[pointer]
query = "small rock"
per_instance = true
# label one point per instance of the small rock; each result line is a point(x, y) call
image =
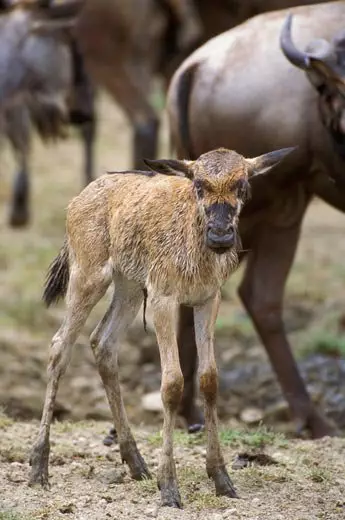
point(152, 402)
point(251, 415)
point(76, 465)
point(152, 512)
point(115, 476)
point(16, 464)
point(230, 513)
point(67, 508)
point(15, 477)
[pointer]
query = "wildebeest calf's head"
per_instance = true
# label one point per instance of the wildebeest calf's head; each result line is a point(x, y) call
point(220, 180)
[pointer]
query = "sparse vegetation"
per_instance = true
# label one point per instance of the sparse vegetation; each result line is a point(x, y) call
point(258, 438)
point(319, 475)
point(5, 421)
point(11, 515)
point(324, 342)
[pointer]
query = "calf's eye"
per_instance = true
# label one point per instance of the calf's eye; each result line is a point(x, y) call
point(199, 189)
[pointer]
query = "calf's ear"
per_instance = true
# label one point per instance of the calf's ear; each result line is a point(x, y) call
point(264, 163)
point(171, 167)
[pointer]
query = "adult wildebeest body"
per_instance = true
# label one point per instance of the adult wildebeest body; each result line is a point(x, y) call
point(126, 44)
point(240, 91)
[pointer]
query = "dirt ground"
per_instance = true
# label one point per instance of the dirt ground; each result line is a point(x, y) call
point(305, 480)
point(308, 481)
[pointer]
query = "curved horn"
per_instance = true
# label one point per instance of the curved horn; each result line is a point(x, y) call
point(298, 58)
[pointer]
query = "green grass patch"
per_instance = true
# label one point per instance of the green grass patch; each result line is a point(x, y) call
point(148, 486)
point(324, 342)
point(181, 438)
point(319, 475)
point(12, 515)
point(5, 421)
point(258, 438)
point(193, 483)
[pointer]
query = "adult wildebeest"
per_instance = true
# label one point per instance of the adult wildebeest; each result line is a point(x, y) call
point(21, 118)
point(126, 44)
point(65, 76)
point(240, 91)
point(36, 74)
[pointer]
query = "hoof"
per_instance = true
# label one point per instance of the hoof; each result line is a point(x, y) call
point(317, 426)
point(111, 438)
point(38, 478)
point(137, 465)
point(170, 496)
point(39, 460)
point(223, 484)
point(19, 218)
point(196, 428)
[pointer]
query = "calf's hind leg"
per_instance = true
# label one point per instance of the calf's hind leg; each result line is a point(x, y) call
point(204, 319)
point(105, 339)
point(83, 294)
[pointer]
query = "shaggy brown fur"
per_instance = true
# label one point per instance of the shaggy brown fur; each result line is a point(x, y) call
point(175, 236)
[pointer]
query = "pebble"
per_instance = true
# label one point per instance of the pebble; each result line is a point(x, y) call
point(115, 476)
point(152, 402)
point(251, 415)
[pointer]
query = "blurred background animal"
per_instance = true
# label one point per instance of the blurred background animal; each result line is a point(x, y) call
point(141, 40)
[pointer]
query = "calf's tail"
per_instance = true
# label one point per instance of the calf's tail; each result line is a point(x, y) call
point(57, 279)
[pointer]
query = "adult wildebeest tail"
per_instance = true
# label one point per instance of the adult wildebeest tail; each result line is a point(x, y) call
point(184, 90)
point(57, 277)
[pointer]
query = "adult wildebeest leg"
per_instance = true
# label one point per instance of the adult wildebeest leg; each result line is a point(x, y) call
point(188, 361)
point(88, 133)
point(18, 132)
point(84, 291)
point(261, 292)
point(105, 339)
point(131, 91)
point(164, 314)
point(82, 111)
point(204, 319)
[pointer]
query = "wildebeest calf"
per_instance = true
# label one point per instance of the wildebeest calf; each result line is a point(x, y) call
point(171, 235)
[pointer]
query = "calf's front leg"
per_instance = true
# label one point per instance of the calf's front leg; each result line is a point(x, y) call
point(204, 320)
point(164, 317)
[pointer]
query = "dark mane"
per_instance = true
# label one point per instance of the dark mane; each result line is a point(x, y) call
point(135, 172)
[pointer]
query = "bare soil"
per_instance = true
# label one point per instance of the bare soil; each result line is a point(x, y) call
point(88, 481)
